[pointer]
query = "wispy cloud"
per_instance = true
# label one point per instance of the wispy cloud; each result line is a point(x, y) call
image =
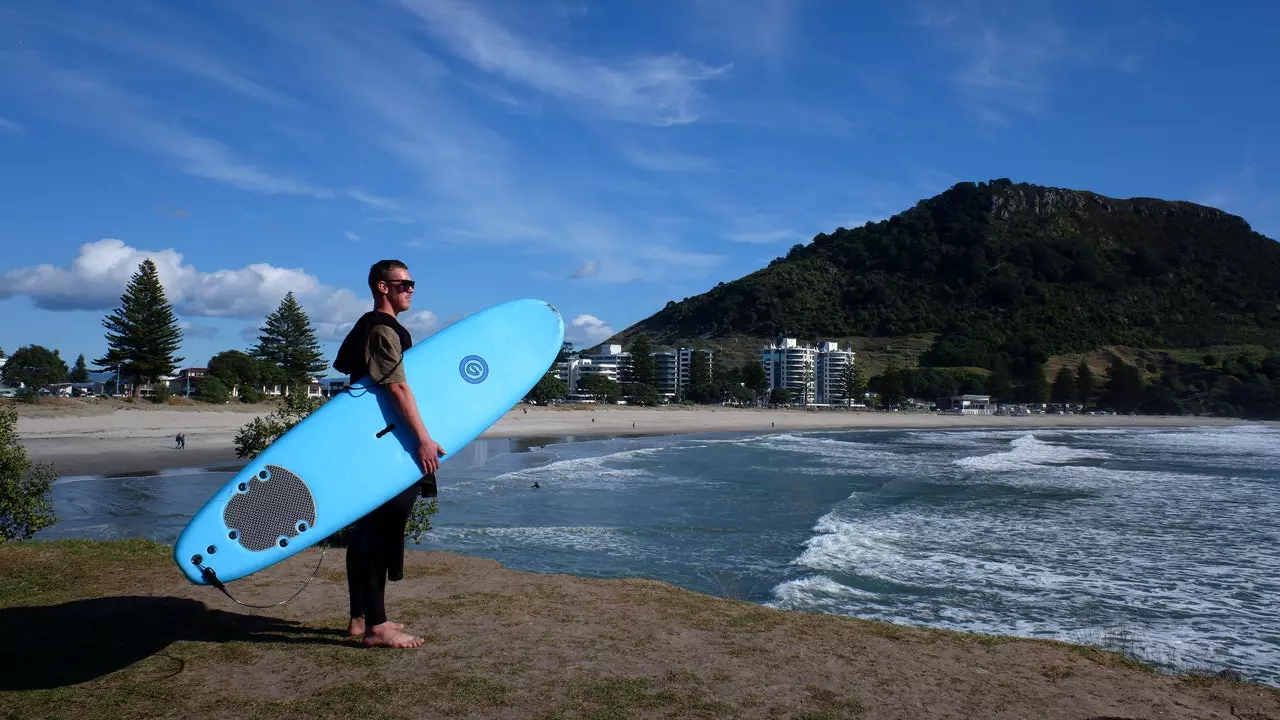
point(353, 237)
point(1011, 54)
point(373, 201)
point(588, 269)
point(655, 89)
point(80, 98)
point(9, 126)
point(761, 28)
point(666, 161)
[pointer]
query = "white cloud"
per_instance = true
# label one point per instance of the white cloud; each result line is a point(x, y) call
point(374, 201)
point(9, 126)
point(763, 237)
point(97, 277)
point(658, 90)
point(203, 332)
point(589, 268)
point(351, 236)
point(586, 330)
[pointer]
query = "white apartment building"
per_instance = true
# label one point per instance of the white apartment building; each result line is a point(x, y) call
point(610, 362)
point(675, 369)
point(832, 362)
point(790, 365)
point(815, 376)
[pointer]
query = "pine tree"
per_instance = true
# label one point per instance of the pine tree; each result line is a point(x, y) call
point(289, 342)
point(1086, 385)
point(644, 367)
point(1036, 390)
point(79, 373)
point(143, 333)
point(999, 383)
point(1064, 387)
point(855, 385)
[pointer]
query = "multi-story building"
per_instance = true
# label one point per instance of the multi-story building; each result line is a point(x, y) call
point(611, 362)
point(790, 365)
point(674, 369)
point(669, 376)
point(815, 376)
point(832, 364)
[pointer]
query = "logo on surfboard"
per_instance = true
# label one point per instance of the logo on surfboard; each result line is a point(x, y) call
point(473, 369)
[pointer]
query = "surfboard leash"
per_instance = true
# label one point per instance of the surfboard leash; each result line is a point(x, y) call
point(211, 578)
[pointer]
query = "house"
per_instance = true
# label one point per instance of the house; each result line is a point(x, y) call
point(186, 382)
point(967, 405)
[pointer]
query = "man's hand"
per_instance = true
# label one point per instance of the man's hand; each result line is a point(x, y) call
point(429, 454)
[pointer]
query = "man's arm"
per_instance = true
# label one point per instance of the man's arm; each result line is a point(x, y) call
point(384, 359)
point(407, 407)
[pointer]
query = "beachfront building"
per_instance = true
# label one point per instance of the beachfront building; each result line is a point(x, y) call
point(610, 362)
point(792, 366)
point(967, 405)
point(813, 375)
point(187, 381)
point(831, 366)
point(675, 370)
point(668, 382)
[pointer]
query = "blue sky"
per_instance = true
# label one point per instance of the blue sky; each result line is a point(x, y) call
point(604, 156)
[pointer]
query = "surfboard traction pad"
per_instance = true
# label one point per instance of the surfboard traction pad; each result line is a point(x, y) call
point(277, 506)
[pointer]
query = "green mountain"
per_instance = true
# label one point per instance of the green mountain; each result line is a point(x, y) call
point(1010, 273)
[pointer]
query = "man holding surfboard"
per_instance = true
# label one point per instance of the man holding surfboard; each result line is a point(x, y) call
point(375, 347)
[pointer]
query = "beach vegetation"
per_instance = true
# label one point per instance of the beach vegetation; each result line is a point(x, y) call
point(212, 390)
point(142, 334)
point(549, 388)
point(288, 341)
point(32, 367)
point(25, 505)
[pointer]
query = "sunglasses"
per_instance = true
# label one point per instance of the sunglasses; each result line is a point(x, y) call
point(403, 284)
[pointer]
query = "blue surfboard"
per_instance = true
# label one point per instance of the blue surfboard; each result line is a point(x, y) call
point(354, 453)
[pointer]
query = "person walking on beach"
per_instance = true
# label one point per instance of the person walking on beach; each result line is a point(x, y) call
point(375, 554)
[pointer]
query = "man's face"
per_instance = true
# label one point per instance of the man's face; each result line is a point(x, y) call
point(399, 288)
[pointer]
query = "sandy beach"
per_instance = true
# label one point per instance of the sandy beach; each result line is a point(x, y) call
point(81, 438)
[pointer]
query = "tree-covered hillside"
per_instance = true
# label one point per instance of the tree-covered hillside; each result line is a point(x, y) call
point(1009, 274)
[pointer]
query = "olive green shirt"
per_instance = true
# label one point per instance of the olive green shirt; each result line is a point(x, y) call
point(383, 355)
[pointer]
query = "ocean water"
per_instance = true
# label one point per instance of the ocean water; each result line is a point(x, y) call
point(1164, 542)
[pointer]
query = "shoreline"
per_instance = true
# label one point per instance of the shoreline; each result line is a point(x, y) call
point(142, 441)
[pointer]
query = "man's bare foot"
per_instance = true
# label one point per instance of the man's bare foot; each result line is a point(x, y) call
point(386, 636)
point(356, 627)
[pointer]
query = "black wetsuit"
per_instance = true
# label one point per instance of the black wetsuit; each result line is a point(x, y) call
point(375, 553)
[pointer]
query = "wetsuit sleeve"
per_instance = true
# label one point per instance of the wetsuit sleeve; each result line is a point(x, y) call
point(383, 355)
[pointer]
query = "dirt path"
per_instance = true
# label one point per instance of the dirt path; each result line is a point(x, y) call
point(112, 630)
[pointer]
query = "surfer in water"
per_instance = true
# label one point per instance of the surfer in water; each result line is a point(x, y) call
point(375, 554)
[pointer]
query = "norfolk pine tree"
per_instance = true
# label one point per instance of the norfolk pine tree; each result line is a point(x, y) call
point(289, 342)
point(143, 333)
point(79, 373)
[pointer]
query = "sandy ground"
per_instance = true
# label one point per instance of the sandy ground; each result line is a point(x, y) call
point(122, 634)
point(86, 439)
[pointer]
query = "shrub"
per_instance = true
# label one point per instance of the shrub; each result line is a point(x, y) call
point(25, 506)
point(212, 390)
point(160, 395)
